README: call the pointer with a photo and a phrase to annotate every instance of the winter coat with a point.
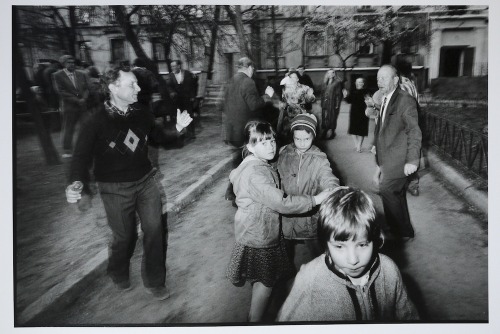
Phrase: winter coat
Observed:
(306, 173)
(242, 103)
(260, 201)
(322, 293)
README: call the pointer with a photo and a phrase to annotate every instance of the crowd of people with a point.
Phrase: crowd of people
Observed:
(286, 193)
(283, 186)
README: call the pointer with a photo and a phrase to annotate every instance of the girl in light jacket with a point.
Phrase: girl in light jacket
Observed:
(259, 256)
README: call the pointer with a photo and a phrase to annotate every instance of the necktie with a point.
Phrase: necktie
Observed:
(382, 110)
(72, 78)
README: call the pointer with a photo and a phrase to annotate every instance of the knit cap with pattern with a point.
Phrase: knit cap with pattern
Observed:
(307, 120)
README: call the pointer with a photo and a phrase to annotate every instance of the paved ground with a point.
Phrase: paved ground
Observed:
(54, 238)
(445, 267)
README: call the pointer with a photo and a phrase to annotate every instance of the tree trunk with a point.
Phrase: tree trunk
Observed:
(71, 32)
(213, 42)
(275, 46)
(240, 30)
(51, 155)
(124, 22)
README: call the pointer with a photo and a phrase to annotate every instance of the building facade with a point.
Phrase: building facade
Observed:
(438, 41)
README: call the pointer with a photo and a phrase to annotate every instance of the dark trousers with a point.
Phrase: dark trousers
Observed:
(69, 119)
(329, 120)
(121, 201)
(393, 193)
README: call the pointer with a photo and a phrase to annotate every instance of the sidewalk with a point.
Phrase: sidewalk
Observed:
(59, 246)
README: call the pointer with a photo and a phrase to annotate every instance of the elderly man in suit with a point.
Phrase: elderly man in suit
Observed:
(242, 103)
(182, 86)
(72, 86)
(397, 140)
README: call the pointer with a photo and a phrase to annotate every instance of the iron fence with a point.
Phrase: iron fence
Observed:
(466, 146)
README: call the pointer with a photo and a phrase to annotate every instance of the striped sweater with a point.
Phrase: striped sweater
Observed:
(321, 293)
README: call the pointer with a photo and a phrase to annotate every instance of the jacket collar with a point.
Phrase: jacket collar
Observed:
(374, 270)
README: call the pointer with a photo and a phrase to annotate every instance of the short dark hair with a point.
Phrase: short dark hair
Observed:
(346, 214)
(111, 75)
(301, 65)
(404, 68)
(140, 62)
(256, 131)
(177, 61)
(93, 72)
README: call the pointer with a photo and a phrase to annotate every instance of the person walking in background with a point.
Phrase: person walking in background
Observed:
(259, 255)
(242, 103)
(358, 122)
(294, 99)
(51, 94)
(146, 81)
(96, 98)
(352, 281)
(182, 87)
(304, 78)
(115, 140)
(407, 84)
(372, 111)
(304, 170)
(397, 140)
(72, 86)
(331, 97)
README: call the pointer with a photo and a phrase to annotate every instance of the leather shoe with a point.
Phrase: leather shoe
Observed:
(123, 285)
(159, 293)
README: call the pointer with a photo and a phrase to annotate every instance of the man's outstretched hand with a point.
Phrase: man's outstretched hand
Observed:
(183, 120)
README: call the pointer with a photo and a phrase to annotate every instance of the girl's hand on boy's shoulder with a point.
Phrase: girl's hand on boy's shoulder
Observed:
(319, 198)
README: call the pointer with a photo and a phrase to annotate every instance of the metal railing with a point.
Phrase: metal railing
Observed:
(466, 146)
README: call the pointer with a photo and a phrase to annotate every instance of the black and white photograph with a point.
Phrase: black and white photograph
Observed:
(222, 165)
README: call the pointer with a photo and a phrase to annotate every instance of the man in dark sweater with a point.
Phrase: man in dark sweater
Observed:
(115, 139)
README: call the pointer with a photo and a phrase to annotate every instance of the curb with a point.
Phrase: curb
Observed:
(68, 290)
(473, 196)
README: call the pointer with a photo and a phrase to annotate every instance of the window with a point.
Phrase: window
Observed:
(84, 51)
(112, 16)
(272, 40)
(158, 49)
(144, 17)
(197, 48)
(315, 43)
(117, 50)
(366, 9)
(363, 45)
(409, 41)
(85, 15)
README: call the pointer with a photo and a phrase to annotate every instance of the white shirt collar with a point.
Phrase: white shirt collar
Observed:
(388, 96)
(68, 72)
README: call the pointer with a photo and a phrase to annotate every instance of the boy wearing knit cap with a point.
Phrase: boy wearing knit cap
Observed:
(304, 170)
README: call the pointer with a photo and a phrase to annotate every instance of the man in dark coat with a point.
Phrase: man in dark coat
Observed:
(146, 81)
(73, 89)
(331, 97)
(242, 103)
(398, 141)
(304, 79)
(182, 86)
